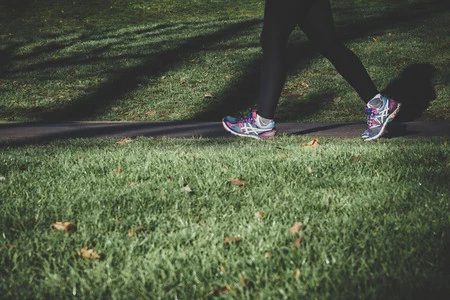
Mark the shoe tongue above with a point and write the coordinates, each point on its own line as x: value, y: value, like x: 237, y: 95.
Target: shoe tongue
x: 254, y: 114
x: 376, y: 103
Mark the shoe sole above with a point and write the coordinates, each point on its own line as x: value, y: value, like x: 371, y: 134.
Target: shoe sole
x: 242, y: 134
x: 388, y: 120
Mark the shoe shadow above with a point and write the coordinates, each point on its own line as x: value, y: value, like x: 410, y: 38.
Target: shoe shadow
x: 414, y: 89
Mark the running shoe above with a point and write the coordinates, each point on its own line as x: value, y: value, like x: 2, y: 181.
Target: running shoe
x: 248, y: 126
x: 380, y: 112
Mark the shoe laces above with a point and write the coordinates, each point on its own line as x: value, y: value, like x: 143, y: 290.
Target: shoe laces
x: 371, y: 116
x: 248, y: 119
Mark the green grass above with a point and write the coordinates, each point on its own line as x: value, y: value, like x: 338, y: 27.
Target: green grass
x: 375, y: 219
x: 156, y: 60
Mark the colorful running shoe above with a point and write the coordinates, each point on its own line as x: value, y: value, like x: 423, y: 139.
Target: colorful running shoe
x: 248, y: 126
x: 380, y: 111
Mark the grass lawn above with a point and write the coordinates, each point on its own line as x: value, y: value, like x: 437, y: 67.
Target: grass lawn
x: 199, y: 60
x: 200, y: 218
x: 166, y: 223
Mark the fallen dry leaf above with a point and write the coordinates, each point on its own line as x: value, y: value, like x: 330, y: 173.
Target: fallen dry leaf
x: 267, y: 255
x: 124, y: 141
x: 150, y: 113
x: 309, y: 169
x: 64, y: 226
x: 88, y: 254
x: 356, y: 157
x: 133, y: 184
x: 220, y: 291
x: 243, y: 281
x: 2, y: 178
x: 313, y: 144
x: 296, y: 227
x: 118, y: 171
x: 238, y: 182
x: 222, y: 269
x: 259, y: 214
x: 135, y: 230
x: 187, y: 189
x: 297, y: 242
x: 209, y: 96
x: 228, y: 240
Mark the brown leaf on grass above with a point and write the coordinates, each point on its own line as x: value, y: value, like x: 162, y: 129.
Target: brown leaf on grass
x: 243, y: 281
x: 133, y: 184
x: 267, y: 255
x: 313, y: 144
x: 2, y: 178
x: 150, y: 113
x: 135, y: 230
x: 297, y: 242
x: 356, y: 157
x: 229, y: 240
x: 259, y: 214
x: 309, y: 169
x: 118, y: 171
x: 124, y: 141
x: 296, y: 227
x: 64, y: 226
x: 187, y: 189
x: 238, y: 182
x: 88, y: 254
x: 209, y: 96
x: 220, y: 291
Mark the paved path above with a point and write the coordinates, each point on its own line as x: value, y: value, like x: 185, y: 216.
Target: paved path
x: 31, y: 133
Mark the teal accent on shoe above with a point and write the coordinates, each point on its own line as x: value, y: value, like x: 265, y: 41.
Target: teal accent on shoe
x: 246, y: 127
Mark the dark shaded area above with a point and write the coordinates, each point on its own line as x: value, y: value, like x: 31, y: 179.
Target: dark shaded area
x: 6, y: 54
x: 126, y: 80
x: 414, y: 90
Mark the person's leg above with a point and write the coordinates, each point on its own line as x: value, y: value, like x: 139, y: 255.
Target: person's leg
x: 319, y: 27
x: 279, y: 21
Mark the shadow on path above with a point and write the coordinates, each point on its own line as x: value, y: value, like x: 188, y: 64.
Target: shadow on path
x: 19, y: 134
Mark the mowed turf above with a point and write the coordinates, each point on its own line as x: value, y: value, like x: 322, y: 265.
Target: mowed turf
x: 167, y: 221
x: 199, y: 60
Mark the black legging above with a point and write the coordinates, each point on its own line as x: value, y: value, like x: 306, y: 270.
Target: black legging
x: 315, y: 19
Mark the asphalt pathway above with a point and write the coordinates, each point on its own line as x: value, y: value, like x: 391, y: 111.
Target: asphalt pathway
x: 35, y: 133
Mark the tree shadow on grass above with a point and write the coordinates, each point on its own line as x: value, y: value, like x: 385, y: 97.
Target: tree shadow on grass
x: 124, y: 81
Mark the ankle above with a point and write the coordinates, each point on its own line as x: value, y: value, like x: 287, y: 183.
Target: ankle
x: 264, y: 122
